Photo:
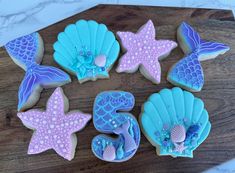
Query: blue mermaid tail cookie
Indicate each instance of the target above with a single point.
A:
(27, 52)
(108, 119)
(188, 72)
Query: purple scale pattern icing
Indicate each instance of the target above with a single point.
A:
(26, 51)
(188, 72)
(107, 119)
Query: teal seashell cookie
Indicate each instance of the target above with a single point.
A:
(175, 122)
(86, 49)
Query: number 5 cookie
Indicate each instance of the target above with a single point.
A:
(107, 119)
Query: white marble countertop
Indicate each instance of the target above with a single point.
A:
(22, 17)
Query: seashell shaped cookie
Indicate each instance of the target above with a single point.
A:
(175, 122)
(86, 49)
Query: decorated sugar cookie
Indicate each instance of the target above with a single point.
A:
(27, 52)
(87, 49)
(54, 128)
(188, 72)
(107, 119)
(175, 122)
(144, 52)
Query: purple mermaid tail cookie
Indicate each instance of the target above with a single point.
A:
(188, 72)
(27, 52)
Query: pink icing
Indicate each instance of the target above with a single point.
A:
(143, 49)
(53, 127)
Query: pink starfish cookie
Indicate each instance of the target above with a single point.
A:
(144, 51)
(53, 128)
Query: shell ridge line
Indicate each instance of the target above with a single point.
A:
(166, 108)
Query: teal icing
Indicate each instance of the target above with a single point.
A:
(120, 152)
(131, 130)
(79, 45)
(174, 107)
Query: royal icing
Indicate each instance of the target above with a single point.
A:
(188, 72)
(27, 52)
(106, 119)
(54, 128)
(87, 49)
(144, 52)
(175, 122)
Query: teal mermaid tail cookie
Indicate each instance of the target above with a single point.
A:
(188, 72)
(27, 52)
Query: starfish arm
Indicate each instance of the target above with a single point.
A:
(65, 145)
(127, 39)
(57, 103)
(128, 63)
(77, 121)
(32, 118)
(39, 142)
(147, 30)
(164, 47)
(151, 70)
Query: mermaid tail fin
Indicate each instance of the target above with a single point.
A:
(36, 78)
(190, 42)
(129, 144)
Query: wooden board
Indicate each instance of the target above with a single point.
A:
(218, 94)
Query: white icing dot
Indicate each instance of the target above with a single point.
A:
(64, 150)
(37, 120)
(75, 121)
(55, 136)
(58, 141)
(71, 123)
(61, 145)
(66, 124)
(44, 122)
(80, 120)
(46, 137)
(31, 150)
(49, 131)
(52, 126)
(115, 125)
(41, 142)
(30, 118)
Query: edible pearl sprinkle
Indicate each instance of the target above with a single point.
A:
(50, 129)
(143, 50)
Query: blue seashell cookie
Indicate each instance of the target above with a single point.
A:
(188, 72)
(107, 119)
(86, 49)
(175, 122)
(27, 52)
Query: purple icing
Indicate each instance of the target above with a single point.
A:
(26, 52)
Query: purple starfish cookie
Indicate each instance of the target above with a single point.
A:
(144, 51)
(53, 128)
